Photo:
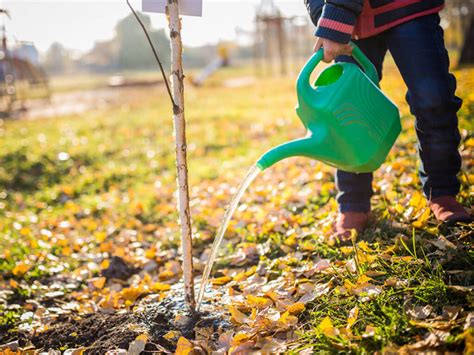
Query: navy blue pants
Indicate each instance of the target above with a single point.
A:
(417, 47)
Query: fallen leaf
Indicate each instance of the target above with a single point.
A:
(221, 280)
(98, 282)
(296, 308)
(239, 338)
(184, 346)
(172, 335)
(286, 320)
(160, 287)
(420, 313)
(258, 302)
(327, 328)
(20, 269)
(138, 345)
(353, 314)
(421, 221)
(237, 316)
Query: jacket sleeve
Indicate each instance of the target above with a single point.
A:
(335, 19)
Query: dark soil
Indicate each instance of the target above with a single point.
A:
(119, 269)
(99, 332)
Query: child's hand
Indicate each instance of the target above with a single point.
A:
(332, 49)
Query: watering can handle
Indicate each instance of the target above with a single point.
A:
(366, 64)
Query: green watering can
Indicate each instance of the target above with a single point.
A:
(351, 124)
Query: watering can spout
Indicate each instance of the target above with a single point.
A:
(307, 147)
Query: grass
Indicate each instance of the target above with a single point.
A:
(75, 190)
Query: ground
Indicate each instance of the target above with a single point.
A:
(90, 260)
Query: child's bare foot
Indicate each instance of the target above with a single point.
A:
(447, 210)
(347, 221)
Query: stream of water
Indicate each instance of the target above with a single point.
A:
(251, 175)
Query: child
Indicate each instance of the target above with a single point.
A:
(410, 30)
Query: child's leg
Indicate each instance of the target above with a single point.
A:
(355, 190)
(419, 52)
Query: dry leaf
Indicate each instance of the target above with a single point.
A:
(237, 316)
(258, 302)
(296, 308)
(353, 314)
(184, 346)
(138, 345)
(221, 280)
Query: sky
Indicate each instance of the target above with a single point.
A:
(77, 24)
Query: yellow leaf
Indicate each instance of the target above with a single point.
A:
(25, 231)
(417, 200)
(105, 264)
(158, 286)
(346, 250)
(362, 279)
(221, 280)
(68, 190)
(166, 275)
(106, 247)
(366, 258)
(327, 328)
(131, 293)
(99, 282)
(151, 253)
(240, 277)
(237, 316)
(13, 283)
(364, 246)
(184, 346)
(291, 240)
(172, 335)
(20, 269)
(272, 295)
(258, 302)
(287, 320)
(100, 236)
(240, 338)
(421, 221)
(348, 285)
(245, 274)
(91, 225)
(296, 308)
(399, 208)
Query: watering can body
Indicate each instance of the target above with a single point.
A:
(350, 123)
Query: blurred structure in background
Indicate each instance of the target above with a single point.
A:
(221, 61)
(21, 74)
(279, 40)
(283, 42)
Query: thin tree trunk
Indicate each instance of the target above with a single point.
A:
(181, 162)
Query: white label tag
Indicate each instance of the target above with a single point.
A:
(186, 7)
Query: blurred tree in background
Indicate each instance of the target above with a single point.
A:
(133, 51)
(57, 59)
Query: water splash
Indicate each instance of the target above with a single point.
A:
(251, 175)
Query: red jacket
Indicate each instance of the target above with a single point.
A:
(374, 20)
(339, 20)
